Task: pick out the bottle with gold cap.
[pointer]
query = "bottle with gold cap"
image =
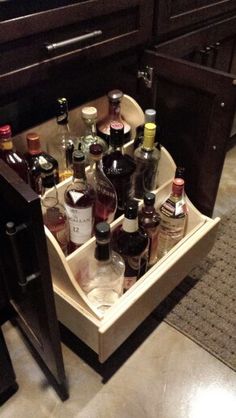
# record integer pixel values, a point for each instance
(147, 158)
(36, 158)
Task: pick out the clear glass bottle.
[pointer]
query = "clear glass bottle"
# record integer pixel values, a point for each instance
(132, 244)
(62, 145)
(149, 221)
(13, 158)
(106, 198)
(104, 278)
(146, 157)
(36, 157)
(173, 214)
(114, 115)
(54, 215)
(79, 200)
(119, 167)
(89, 116)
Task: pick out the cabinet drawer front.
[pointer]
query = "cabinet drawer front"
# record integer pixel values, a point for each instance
(87, 31)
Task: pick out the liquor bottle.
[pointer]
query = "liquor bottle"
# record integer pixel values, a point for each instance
(62, 145)
(114, 114)
(35, 158)
(106, 198)
(89, 116)
(173, 214)
(54, 215)
(103, 282)
(149, 117)
(79, 200)
(132, 244)
(119, 167)
(149, 221)
(146, 157)
(13, 158)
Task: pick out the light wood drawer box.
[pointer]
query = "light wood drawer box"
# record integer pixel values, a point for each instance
(105, 335)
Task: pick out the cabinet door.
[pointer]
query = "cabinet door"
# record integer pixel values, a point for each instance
(195, 107)
(26, 272)
(173, 16)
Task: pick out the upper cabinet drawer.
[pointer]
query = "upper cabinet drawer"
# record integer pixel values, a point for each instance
(34, 44)
(177, 16)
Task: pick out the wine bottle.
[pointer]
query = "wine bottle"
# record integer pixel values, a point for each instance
(35, 158)
(80, 204)
(104, 278)
(8, 153)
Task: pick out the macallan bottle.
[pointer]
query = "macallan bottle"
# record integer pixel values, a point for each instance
(35, 158)
(89, 116)
(13, 158)
(106, 197)
(80, 204)
(146, 157)
(63, 143)
(103, 282)
(119, 167)
(132, 244)
(54, 215)
(149, 221)
(173, 214)
(114, 115)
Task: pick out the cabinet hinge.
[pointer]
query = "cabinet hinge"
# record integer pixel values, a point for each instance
(146, 75)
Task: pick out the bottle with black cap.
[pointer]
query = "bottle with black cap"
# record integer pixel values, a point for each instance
(54, 215)
(132, 244)
(104, 276)
(149, 221)
(79, 203)
(119, 167)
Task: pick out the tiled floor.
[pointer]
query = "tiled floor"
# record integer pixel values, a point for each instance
(157, 373)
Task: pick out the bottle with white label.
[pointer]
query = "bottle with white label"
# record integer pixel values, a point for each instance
(173, 214)
(79, 204)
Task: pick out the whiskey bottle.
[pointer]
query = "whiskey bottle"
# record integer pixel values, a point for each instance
(173, 214)
(119, 167)
(62, 145)
(103, 282)
(89, 116)
(106, 198)
(114, 115)
(149, 221)
(54, 215)
(146, 157)
(35, 158)
(79, 200)
(13, 158)
(132, 244)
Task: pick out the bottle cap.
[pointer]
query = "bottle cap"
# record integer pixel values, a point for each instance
(5, 132)
(96, 149)
(62, 110)
(149, 199)
(131, 209)
(149, 135)
(33, 143)
(89, 112)
(177, 186)
(102, 231)
(115, 95)
(150, 115)
(116, 133)
(78, 156)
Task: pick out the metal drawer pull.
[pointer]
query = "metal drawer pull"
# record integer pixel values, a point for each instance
(71, 41)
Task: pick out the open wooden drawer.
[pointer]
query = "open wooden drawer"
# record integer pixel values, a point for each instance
(105, 334)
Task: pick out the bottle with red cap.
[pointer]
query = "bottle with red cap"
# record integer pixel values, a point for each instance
(36, 158)
(173, 214)
(13, 158)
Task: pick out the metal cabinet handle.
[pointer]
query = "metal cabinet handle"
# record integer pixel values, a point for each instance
(53, 46)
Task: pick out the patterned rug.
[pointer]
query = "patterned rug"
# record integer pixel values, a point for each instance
(203, 306)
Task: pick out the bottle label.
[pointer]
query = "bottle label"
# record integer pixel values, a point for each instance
(132, 268)
(81, 224)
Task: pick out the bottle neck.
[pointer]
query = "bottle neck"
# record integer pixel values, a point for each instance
(48, 184)
(130, 225)
(115, 147)
(114, 110)
(6, 144)
(79, 172)
(90, 127)
(148, 209)
(103, 251)
(63, 127)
